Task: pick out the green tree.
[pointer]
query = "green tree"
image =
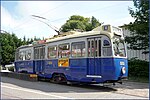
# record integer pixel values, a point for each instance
(9, 43)
(31, 41)
(16, 40)
(6, 42)
(139, 28)
(24, 42)
(81, 23)
(36, 39)
(94, 22)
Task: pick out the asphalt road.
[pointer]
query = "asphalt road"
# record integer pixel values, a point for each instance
(19, 89)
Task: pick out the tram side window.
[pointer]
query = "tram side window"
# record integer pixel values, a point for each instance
(52, 52)
(64, 50)
(28, 55)
(22, 55)
(94, 47)
(91, 48)
(107, 48)
(36, 53)
(78, 49)
(42, 52)
(39, 53)
(99, 45)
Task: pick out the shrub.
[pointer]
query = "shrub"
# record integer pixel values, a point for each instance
(138, 68)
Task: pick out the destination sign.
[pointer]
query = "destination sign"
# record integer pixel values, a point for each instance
(63, 62)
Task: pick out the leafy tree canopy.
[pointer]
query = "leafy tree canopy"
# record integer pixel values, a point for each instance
(139, 28)
(8, 45)
(81, 23)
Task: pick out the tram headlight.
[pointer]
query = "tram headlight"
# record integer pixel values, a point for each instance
(123, 70)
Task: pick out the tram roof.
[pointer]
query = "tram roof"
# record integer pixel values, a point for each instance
(75, 34)
(25, 46)
(104, 29)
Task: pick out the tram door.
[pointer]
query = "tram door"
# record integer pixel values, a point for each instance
(39, 55)
(94, 52)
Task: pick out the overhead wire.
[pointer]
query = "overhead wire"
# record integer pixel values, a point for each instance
(28, 20)
(92, 11)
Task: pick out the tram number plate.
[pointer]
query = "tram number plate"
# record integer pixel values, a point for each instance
(63, 62)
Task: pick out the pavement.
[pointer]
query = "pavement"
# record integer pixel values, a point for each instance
(19, 89)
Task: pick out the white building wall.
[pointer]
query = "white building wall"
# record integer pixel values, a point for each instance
(135, 53)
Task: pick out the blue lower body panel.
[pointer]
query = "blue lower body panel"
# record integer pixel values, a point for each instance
(82, 70)
(24, 66)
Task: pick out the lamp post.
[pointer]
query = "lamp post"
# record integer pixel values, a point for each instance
(46, 23)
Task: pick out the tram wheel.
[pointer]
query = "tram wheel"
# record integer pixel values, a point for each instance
(59, 78)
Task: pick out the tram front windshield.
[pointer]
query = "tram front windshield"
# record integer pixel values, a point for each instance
(119, 47)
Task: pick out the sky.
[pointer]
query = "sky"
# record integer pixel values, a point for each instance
(16, 16)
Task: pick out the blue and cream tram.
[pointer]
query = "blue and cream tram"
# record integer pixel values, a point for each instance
(96, 56)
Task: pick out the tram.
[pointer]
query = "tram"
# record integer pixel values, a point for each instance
(97, 56)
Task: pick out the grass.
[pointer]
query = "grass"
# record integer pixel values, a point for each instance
(138, 79)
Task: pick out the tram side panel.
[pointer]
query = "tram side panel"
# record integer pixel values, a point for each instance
(112, 69)
(71, 72)
(24, 66)
(24, 59)
(100, 69)
(39, 67)
(108, 69)
(78, 69)
(50, 67)
(121, 68)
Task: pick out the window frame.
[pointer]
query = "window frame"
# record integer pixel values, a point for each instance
(107, 46)
(22, 55)
(48, 54)
(61, 56)
(123, 53)
(97, 47)
(82, 44)
(28, 52)
(38, 55)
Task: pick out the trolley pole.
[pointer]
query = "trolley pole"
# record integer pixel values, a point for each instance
(58, 32)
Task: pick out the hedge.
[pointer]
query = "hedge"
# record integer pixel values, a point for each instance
(138, 68)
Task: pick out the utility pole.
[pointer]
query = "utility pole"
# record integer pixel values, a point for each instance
(46, 23)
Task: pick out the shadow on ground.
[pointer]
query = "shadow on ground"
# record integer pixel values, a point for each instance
(46, 86)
